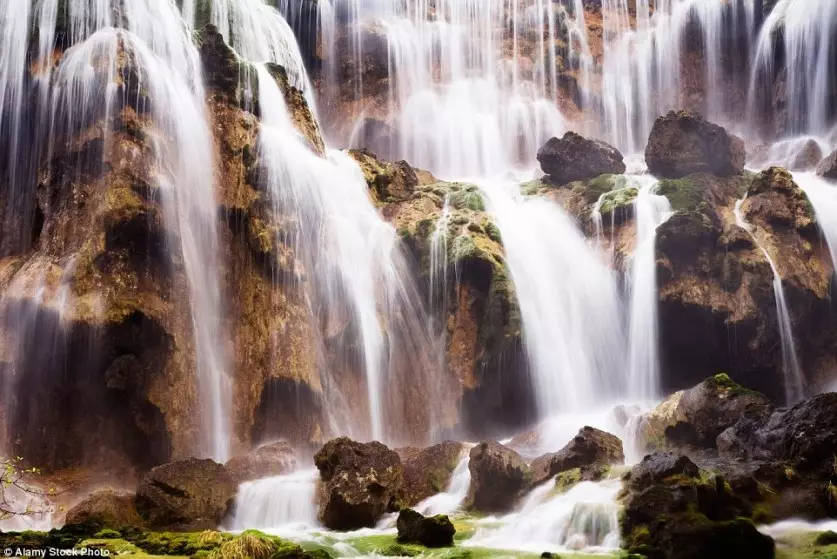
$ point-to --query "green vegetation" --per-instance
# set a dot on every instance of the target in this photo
(806, 545)
(618, 199)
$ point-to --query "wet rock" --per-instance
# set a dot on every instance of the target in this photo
(826, 538)
(674, 510)
(808, 157)
(434, 531)
(359, 483)
(589, 449)
(428, 471)
(266, 461)
(827, 168)
(683, 143)
(775, 201)
(389, 182)
(107, 508)
(576, 158)
(187, 495)
(499, 477)
(698, 415)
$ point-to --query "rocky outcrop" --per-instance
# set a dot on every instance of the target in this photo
(576, 158)
(434, 531)
(428, 471)
(827, 168)
(499, 477)
(266, 461)
(683, 143)
(188, 495)
(591, 450)
(698, 415)
(359, 483)
(674, 510)
(106, 508)
(808, 157)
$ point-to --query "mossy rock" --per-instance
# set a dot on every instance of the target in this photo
(620, 199)
(564, 481)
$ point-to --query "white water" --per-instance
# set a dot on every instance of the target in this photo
(794, 380)
(651, 211)
(583, 518)
(449, 501)
(569, 302)
(281, 503)
(439, 263)
(350, 251)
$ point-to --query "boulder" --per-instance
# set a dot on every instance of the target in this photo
(591, 449)
(827, 168)
(359, 483)
(434, 531)
(186, 495)
(808, 156)
(499, 477)
(682, 143)
(268, 460)
(698, 415)
(107, 508)
(576, 158)
(673, 510)
(428, 471)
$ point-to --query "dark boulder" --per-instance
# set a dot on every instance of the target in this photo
(187, 495)
(682, 143)
(428, 471)
(499, 477)
(709, 408)
(359, 483)
(655, 468)
(434, 531)
(827, 168)
(266, 461)
(589, 449)
(107, 508)
(576, 158)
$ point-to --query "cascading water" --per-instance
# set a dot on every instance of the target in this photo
(794, 381)
(651, 211)
(279, 503)
(569, 302)
(453, 496)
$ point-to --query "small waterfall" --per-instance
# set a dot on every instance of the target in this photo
(794, 381)
(451, 499)
(439, 262)
(805, 31)
(823, 197)
(354, 265)
(651, 211)
(569, 302)
(281, 502)
(585, 518)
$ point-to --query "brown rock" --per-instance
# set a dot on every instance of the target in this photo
(808, 157)
(499, 477)
(589, 449)
(106, 507)
(187, 495)
(360, 482)
(683, 143)
(266, 461)
(576, 158)
(827, 168)
(429, 471)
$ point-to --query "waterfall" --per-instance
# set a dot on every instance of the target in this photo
(439, 262)
(281, 502)
(583, 518)
(794, 381)
(651, 211)
(805, 31)
(452, 497)
(352, 256)
(569, 302)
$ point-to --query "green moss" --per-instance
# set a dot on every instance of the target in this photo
(723, 382)
(169, 543)
(108, 534)
(467, 198)
(564, 481)
(804, 545)
(492, 231)
(617, 199)
(685, 195)
(534, 187)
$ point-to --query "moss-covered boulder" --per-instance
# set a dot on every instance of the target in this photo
(428, 471)
(499, 478)
(108, 508)
(675, 510)
(434, 531)
(682, 143)
(591, 450)
(359, 483)
(576, 158)
(186, 495)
